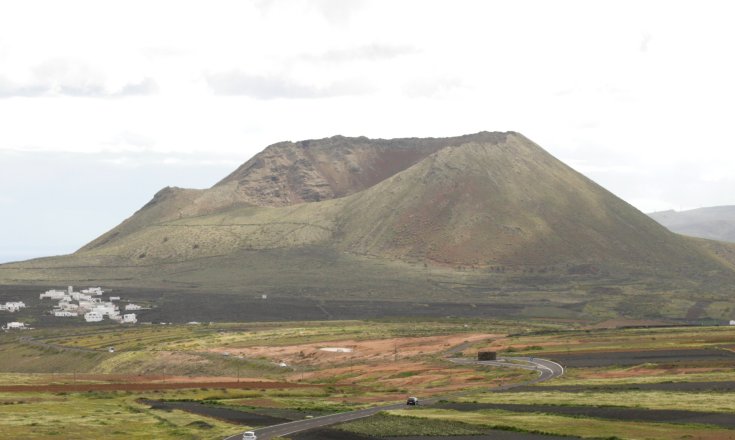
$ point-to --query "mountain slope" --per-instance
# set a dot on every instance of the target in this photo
(289, 173)
(493, 200)
(489, 217)
(509, 203)
(716, 223)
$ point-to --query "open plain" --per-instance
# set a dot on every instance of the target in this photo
(209, 381)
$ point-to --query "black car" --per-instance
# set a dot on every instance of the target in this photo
(412, 401)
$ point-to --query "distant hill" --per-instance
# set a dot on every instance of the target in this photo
(716, 223)
(489, 218)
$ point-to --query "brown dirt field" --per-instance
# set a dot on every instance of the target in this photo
(372, 350)
(429, 378)
(148, 378)
(146, 386)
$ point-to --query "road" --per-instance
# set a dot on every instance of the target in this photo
(547, 370)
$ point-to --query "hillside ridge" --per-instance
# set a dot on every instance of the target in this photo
(714, 223)
(289, 173)
(485, 218)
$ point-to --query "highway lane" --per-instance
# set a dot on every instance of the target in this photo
(547, 370)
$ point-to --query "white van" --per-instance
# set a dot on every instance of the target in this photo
(249, 435)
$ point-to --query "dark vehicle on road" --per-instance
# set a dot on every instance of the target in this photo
(412, 401)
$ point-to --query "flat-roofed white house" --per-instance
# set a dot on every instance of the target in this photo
(93, 317)
(129, 318)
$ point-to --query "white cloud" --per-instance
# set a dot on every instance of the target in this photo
(62, 77)
(618, 88)
(366, 53)
(273, 86)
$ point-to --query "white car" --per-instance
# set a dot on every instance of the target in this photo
(249, 435)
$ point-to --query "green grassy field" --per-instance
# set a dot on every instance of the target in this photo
(100, 415)
(183, 352)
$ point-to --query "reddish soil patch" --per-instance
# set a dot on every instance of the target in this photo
(148, 378)
(417, 377)
(369, 350)
(82, 388)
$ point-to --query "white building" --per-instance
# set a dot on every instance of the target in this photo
(14, 326)
(105, 309)
(129, 318)
(732, 322)
(92, 317)
(87, 303)
(12, 306)
(53, 294)
(93, 291)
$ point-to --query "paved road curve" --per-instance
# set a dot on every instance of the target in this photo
(547, 370)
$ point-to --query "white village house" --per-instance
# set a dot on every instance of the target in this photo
(88, 304)
(12, 306)
(92, 317)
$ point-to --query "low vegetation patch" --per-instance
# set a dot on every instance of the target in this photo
(386, 425)
(562, 425)
(711, 402)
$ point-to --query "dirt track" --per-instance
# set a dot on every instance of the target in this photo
(145, 386)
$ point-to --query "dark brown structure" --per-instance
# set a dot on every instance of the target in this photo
(487, 356)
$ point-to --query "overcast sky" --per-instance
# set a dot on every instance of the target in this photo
(104, 103)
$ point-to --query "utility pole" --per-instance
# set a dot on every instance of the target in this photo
(238, 372)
